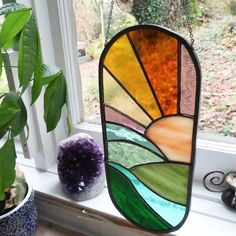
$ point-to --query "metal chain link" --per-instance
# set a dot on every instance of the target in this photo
(185, 4)
(109, 21)
(186, 12)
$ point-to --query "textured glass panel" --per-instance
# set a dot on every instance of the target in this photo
(131, 204)
(159, 55)
(129, 155)
(188, 83)
(118, 132)
(122, 62)
(173, 135)
(116, 97)
(114, 116)
(166, 209)
(168, 180)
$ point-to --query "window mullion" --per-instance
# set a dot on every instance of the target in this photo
(62, 19)
(48, 53)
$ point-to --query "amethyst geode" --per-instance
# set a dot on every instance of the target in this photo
(80, 167)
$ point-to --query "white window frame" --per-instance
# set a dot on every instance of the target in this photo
(57, 29)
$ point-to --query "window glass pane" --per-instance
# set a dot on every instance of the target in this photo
(214, 29)
(216, 47)
(91, 21)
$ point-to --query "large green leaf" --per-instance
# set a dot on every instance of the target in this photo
(12, 42)
(18, 123)
(38, 82)
(12, 25)
(12, 7)
(50, 73)
(7, 114)
(54, 99)
(7, 166)
(3, 130)
(27, 52)
(8, 111)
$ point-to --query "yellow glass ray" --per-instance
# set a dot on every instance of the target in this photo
(117, 97)
(124, 65)
(173, 135)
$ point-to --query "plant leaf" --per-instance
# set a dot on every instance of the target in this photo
(8, 111)
(50, 73)
(38, 80)
(7, 114)
(11, 43)
(3, 130)
(7, 164)
(18, 123)
(12, 25)
(68, 122)
(27, 52)
(54, 99)
(11, 7)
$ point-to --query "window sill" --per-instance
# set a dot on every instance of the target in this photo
(93, 217)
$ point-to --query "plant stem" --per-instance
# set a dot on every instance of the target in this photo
(2, 95)
(9, 66)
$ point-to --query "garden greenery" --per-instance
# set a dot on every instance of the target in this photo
(168, 13)
(20, 26)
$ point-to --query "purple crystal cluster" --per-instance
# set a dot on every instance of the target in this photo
(81, 167)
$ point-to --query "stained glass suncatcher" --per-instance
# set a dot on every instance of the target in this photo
(149, 93)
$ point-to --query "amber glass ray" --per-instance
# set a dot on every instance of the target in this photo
(159, 55)
(122, 62)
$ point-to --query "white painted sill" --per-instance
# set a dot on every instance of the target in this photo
(98, 216)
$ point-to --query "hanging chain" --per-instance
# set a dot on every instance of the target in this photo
(186, 12)
(109, 21)
(185, 4)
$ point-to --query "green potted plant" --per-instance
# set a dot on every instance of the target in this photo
(20, 27)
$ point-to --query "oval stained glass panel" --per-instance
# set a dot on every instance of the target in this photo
(150, 148)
